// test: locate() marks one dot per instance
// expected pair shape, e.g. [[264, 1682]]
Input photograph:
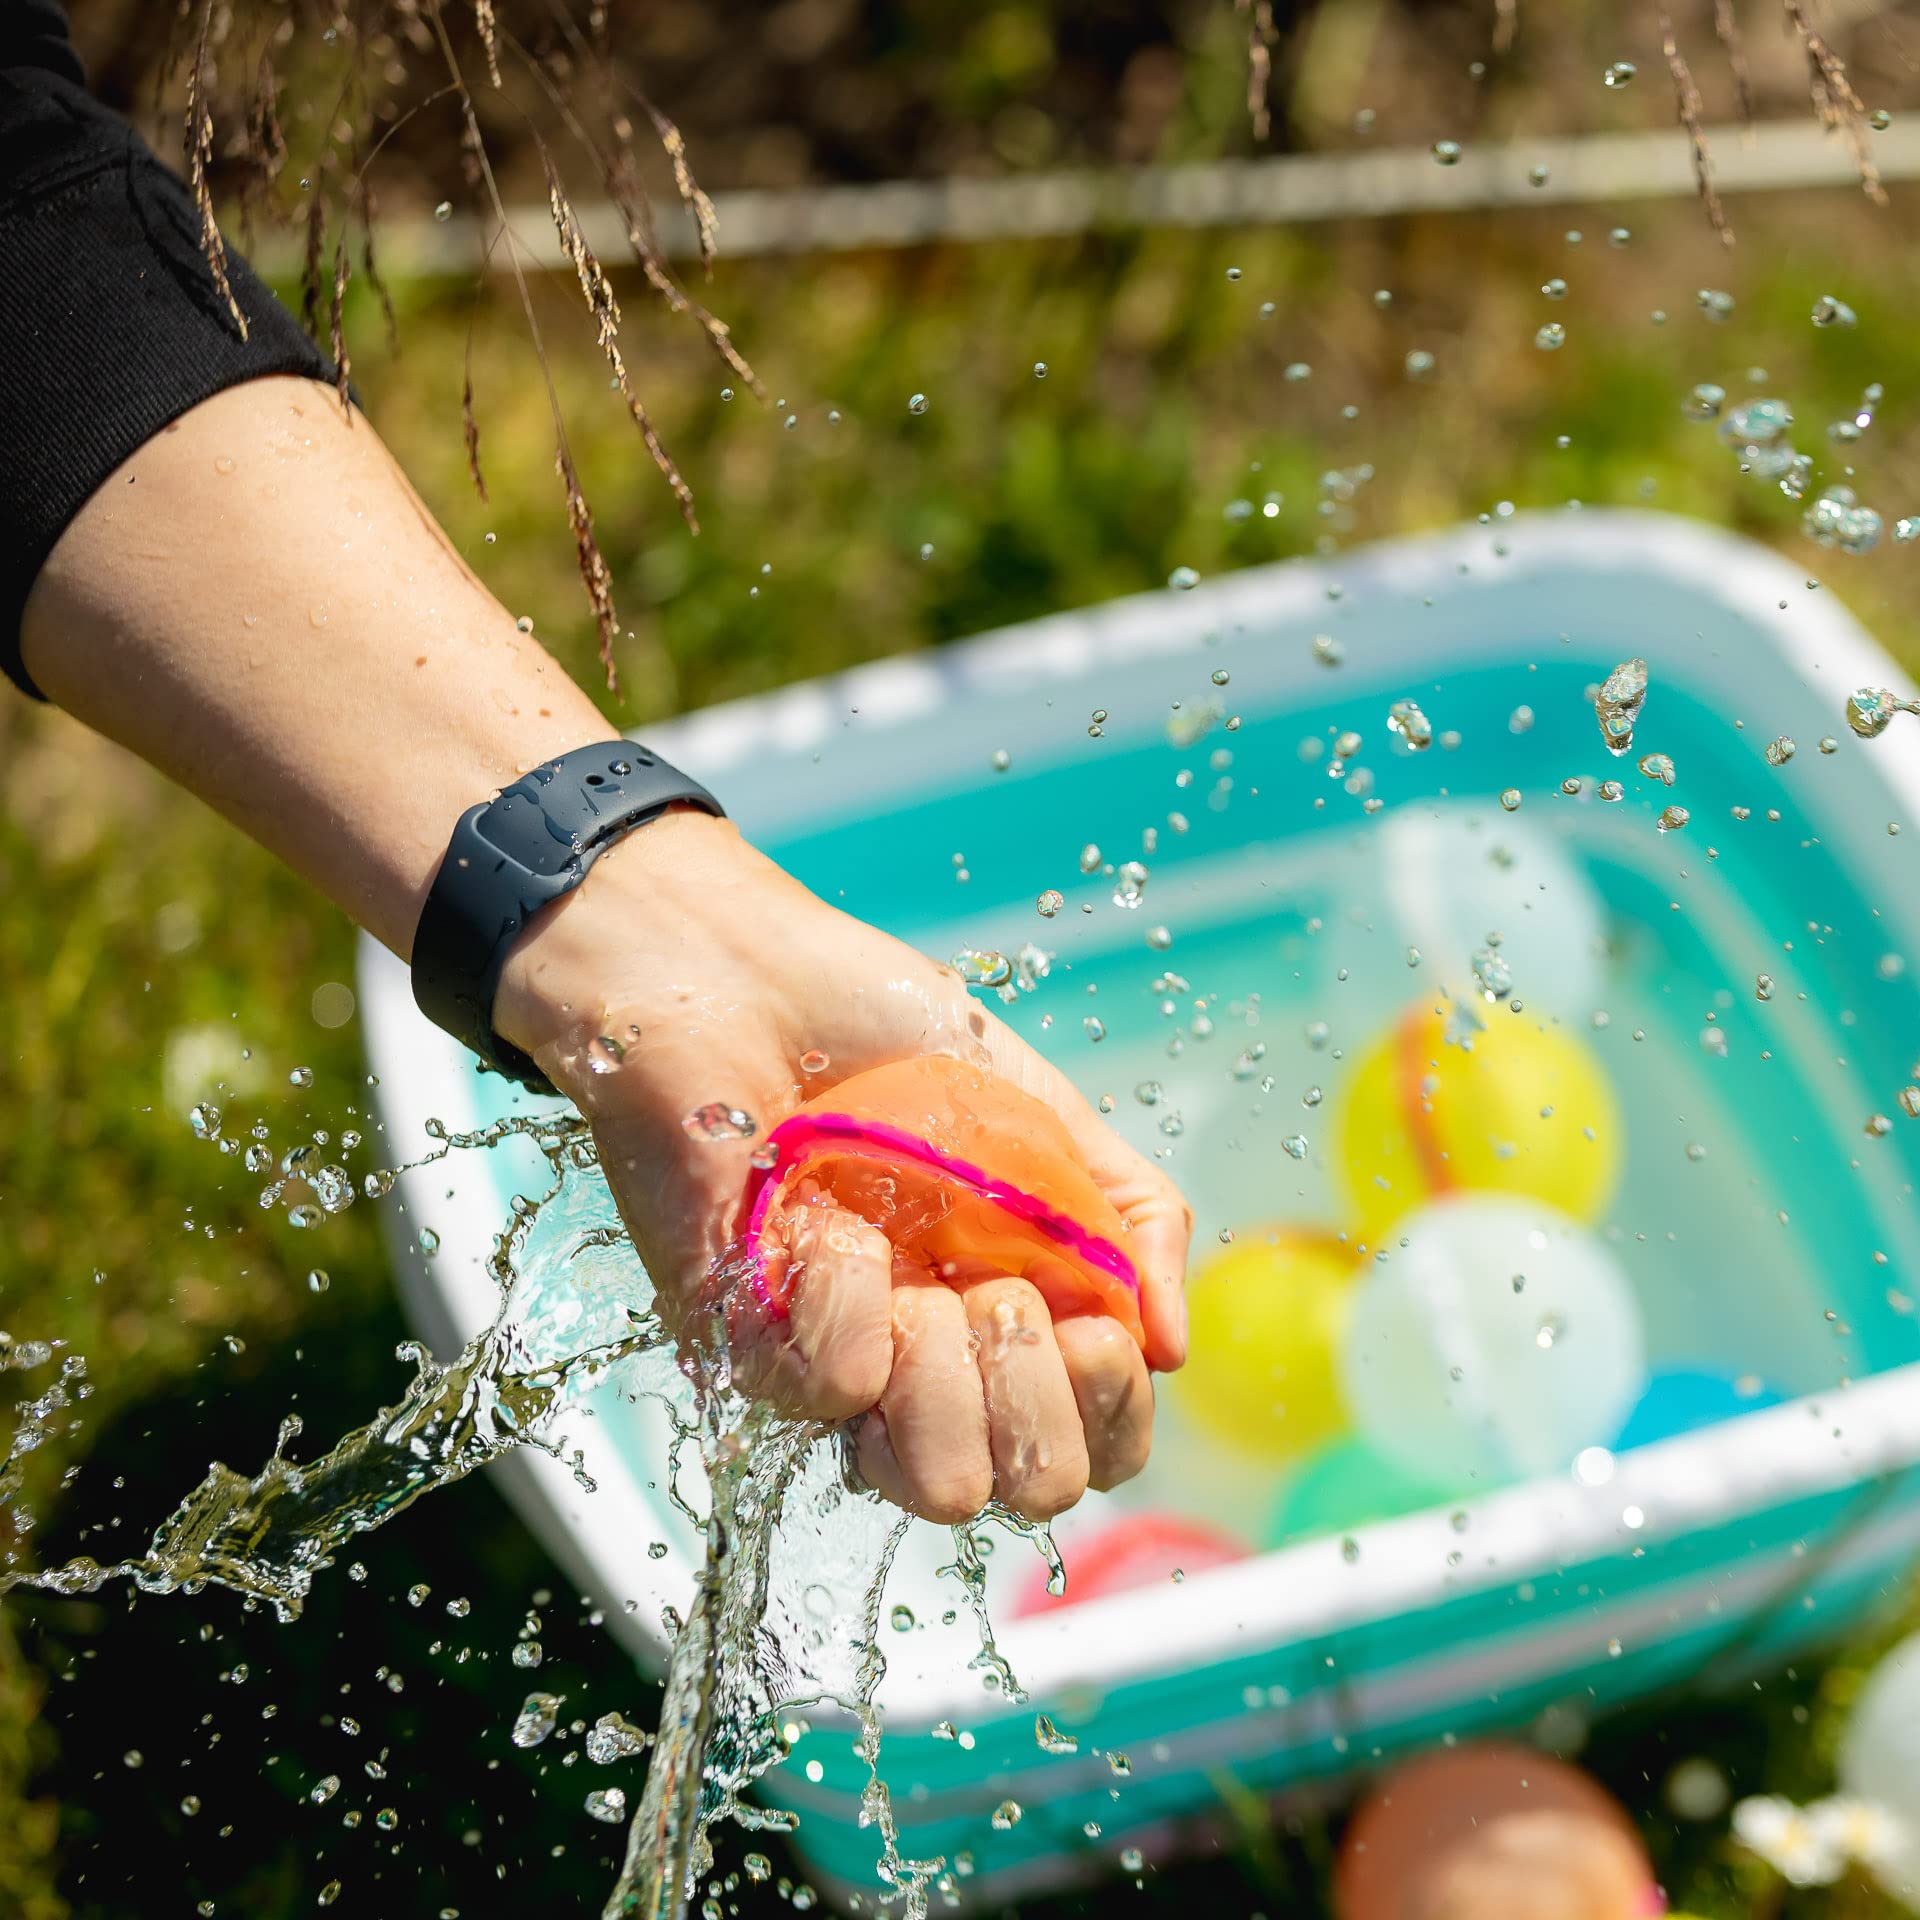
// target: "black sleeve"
[[110, 323]]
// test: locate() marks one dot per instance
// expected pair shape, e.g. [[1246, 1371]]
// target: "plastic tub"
[[1762, 1232]]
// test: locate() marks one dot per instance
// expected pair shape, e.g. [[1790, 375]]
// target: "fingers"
[[984, 1402], [1113, 1395], [1159, 1221], [926, 1446], [830, 1356], [1033, 1424]]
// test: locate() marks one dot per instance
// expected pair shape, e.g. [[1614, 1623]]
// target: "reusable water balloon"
[[1880, 1760], [1496, 1343], [1511, 1107], [1265, 1321], [1455, 871], [966, 1175], [1492, 1830]]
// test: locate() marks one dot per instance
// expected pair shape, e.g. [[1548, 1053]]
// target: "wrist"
[[634, 934]]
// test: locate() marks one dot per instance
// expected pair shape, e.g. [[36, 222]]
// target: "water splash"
[[741, 1666]]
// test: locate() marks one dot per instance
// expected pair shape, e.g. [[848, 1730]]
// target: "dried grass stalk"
[[605, 309], [1261, 35], [1727, 28], [470, 427], [265, 147], [593, 565], [310, 265], [370, 266], [483, 18], [1687, 104], [199, 152], [623, 190], [692, 196], [336, 330], [1840, 108]]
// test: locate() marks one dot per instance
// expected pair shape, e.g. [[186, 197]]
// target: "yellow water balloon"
[[1266, 1321], [1441, 1105]]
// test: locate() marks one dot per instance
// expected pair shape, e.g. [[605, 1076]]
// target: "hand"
[[688, 970]]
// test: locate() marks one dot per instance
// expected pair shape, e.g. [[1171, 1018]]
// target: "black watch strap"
[[514, 854]]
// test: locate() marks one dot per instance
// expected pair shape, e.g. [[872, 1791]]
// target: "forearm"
[[258, 603]]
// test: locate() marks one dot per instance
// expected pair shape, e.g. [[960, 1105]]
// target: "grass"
[[150, 951]]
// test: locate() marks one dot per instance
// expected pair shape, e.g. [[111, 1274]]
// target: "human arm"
[[258, 603]]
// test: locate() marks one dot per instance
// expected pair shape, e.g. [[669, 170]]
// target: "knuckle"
[[1053, 1490], [954, 1494], [847, 1381]]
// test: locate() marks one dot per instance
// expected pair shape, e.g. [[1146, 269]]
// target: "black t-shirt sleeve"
[[110, 323]]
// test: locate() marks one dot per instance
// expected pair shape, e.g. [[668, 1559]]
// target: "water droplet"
[[528, 1653], [1089, 858], [1039, 369], [1094, 1027], [1672, 818], [536, 1718], [1836, 519], [1007, 1815], [1714, 302], [1183, 579], [1405, 718], [916, 403], [318, 1281], [1419, 364], [1510, 799], [1130, 884], [1780, 750], [1622, 696], [328, 1894], [1049, 1739], [1757, 432], [428, 1241], [1704, 402], [1620, 74], [982, 967], [604, 1054], [608, 1804], [444, 211], [1132, 1859], [1538, 174], [1000, 760], [323, 1790], [1049, 903], [1658, 767], [460, 1608], [1829, 312], [1447, 152], [611, 1738], [300, 1077], [1869, 709], [718, 1121], [1295, 1145]]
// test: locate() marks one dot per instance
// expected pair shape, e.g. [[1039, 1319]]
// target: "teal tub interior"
[[1682, 1443]]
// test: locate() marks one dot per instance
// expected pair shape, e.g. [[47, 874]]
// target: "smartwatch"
[[516, 853]]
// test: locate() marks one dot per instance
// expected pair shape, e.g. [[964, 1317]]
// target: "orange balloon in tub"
[[966, 1175]]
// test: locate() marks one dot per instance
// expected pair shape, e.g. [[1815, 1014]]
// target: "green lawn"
[[149, 951]]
